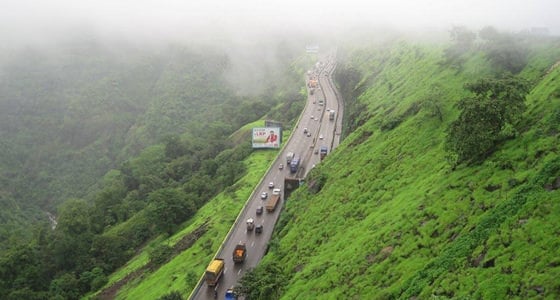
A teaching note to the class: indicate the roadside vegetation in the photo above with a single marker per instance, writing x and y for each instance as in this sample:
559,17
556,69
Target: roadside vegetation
125,153
447,186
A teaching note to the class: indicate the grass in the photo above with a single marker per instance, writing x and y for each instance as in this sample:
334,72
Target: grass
183,271
395,221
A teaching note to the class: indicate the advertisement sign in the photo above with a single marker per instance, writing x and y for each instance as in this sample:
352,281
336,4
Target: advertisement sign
266,137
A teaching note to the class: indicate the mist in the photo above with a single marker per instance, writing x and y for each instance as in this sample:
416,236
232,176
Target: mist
250,30
207,21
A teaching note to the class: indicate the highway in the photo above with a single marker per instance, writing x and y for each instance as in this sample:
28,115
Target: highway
316,119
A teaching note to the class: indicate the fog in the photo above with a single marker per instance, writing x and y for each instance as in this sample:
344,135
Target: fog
30,21
244,28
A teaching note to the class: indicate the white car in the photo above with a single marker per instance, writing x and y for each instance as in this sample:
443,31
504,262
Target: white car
264,195
320,136
312,117
271,185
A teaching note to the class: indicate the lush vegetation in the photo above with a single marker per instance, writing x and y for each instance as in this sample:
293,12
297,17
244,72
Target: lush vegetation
121,146
417,202
447,187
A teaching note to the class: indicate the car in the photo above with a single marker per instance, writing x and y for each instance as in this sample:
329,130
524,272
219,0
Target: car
259,210
264,195
250,224
320,136
316,119
281,166
309,134
316,151
271,185
305,130
312,117
259,228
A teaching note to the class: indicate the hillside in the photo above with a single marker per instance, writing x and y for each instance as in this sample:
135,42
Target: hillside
388,215
120,146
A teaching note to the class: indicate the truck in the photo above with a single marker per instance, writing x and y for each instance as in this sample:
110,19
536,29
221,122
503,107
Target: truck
289,157
294,165
312,83
272,202
323,152
214,271
239,253
331,114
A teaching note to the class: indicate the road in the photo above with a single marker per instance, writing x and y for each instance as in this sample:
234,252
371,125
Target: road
315,118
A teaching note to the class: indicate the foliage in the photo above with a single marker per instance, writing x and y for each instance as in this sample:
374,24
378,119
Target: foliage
171,296
262,283
160,254
169,207
93,280
156,123
504,51
393,220
463,40
496,106
348,82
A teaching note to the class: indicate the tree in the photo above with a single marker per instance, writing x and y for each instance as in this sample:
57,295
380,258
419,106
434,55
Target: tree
93,280
72,237
486,118
503,50
175,295
66,286
463,40
169,207
432,102
263,282
174,147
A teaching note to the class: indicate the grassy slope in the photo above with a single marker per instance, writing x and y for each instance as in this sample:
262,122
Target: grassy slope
183,271
393,220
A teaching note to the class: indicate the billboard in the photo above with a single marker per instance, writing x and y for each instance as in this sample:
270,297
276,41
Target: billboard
266,137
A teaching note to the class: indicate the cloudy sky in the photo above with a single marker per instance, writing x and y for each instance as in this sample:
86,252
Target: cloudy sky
32,19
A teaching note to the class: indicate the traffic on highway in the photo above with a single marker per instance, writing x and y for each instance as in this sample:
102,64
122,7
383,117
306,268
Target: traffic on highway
316,133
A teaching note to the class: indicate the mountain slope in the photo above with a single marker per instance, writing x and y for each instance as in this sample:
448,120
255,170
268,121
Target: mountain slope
386,216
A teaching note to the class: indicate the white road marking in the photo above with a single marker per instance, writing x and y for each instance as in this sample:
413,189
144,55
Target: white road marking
253,244
239,272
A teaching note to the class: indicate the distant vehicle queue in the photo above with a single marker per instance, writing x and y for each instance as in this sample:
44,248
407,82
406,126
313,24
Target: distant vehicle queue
216,268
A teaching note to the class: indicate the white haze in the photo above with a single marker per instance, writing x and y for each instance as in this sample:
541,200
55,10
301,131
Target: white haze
28,21
247,29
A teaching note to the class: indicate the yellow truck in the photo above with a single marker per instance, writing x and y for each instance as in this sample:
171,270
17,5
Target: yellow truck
214,271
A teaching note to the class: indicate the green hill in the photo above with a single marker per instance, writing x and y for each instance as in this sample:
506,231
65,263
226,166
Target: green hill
387,215
122,145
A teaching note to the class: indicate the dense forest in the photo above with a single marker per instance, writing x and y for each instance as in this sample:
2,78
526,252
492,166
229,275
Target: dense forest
106,145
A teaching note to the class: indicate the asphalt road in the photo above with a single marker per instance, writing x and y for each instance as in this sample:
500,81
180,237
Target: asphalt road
315,118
